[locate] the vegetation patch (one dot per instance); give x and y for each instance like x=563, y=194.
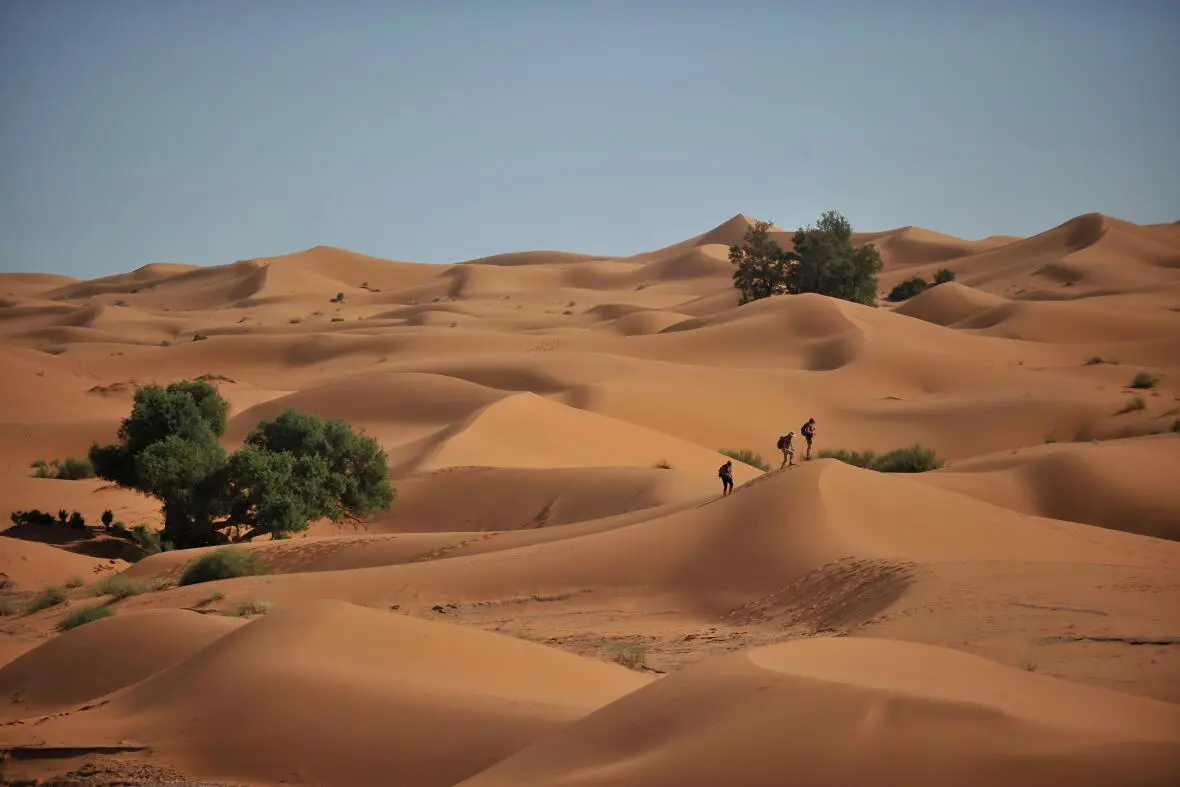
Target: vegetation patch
x=84, y=615
x=222, y=563
x=70, y=469
x=912, y=459
x=747, y=457
x=49, y=597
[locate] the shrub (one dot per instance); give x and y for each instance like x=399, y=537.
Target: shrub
x=8, y=607
x=1133, y=404
x=1144, y=380
x=147, y=540
x=251, y=607
x=107, y=519
x=222, y=563
x=1176, y=426
x=122, y=587
x=907, y=289
x=747, y=457
x=943, y=275
x=49, y=597
x=629, y=654
x=77, y=521
x=664, y=464
x=1096, y=360
x=337, y=319
x=84, y=615
x=74, y=582
x=824, y=261
x=199, y=337
x=31, y=517
x=72, y=469
x=912, y=459
x=863, y=459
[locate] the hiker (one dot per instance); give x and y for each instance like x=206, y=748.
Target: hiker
x=784, y=445
x=725, y=472
x=808, y=432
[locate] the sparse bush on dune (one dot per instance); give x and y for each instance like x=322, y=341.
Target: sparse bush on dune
x=222, y=563
x=747, y=457
x=8, y=608
x=1133, y=404
x=824, y=261
x=250, y=607
x=912, y=459
x=49, y=597
x=71, y=469
x=84, y=615
x=32, y=517
x=290, y=471
x=1145, y=380
x=121, y=587
x=629, y=654
x=908, y=289
x=943, y=275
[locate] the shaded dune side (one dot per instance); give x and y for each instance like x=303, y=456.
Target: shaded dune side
x=948, y=304
x=526, y=430
x=1087, y=253
x=372, y=400
x=116, y=652
x=1075, y=482
x=29, y=565
x=382, y=695
x=506, y=498
x=916, y=714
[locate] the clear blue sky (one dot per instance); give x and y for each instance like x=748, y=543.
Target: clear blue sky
x=206, y=131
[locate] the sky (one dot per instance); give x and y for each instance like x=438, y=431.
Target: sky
x=209, y=131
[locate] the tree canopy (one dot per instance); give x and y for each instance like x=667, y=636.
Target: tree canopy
x=289, y=472
x=824, y=261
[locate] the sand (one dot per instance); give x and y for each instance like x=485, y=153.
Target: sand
x=561, y=596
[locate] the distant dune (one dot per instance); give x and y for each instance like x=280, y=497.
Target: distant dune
x=560, y=594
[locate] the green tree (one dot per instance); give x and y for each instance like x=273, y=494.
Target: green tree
x=290, y=471
x=824, y=261
x=761, y=264
x=943, y=275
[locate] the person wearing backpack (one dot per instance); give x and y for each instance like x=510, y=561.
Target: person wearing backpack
x=784, y=445
x=808, y=432
x=725, y=473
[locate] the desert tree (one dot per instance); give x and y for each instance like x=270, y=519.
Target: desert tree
x=824, y=261
x=289, y=472
x=761, y=264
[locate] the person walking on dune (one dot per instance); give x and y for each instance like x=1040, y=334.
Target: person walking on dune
x=784, y=445
x=725, y=472
x=808, y=432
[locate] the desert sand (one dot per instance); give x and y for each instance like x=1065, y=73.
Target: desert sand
x=560, y=594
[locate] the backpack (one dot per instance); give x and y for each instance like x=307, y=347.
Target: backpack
x=807, y=429
x=782, y=441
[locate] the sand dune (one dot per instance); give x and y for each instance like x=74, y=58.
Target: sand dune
x=949, y=303
x=918, y=714
x=1073, y=481
x=29, y=565
x=385, y=697
x=553, y=423
x=121, y=651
